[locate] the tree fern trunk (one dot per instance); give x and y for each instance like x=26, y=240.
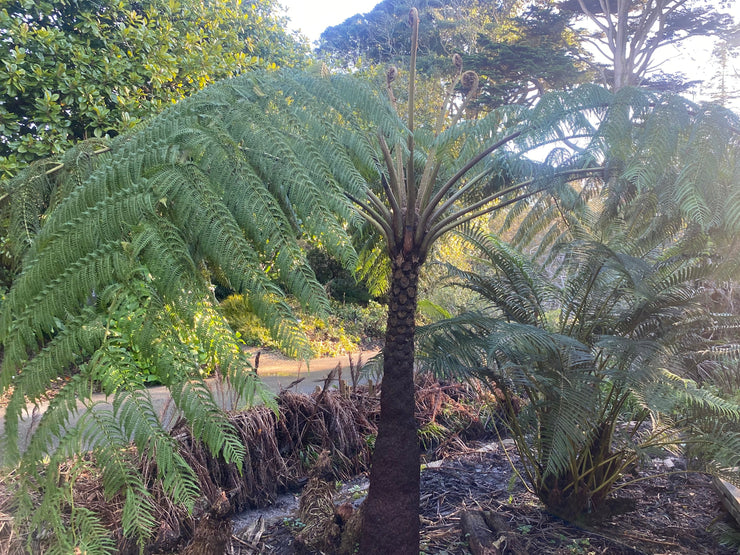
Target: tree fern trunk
x=391, y=511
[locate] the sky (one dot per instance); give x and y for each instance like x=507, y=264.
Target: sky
x=311, y=17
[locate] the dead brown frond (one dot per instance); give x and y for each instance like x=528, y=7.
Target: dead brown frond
x=449, y=414
x=283, y=447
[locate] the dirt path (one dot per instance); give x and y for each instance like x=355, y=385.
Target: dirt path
x=271, y=363
x=276, y=371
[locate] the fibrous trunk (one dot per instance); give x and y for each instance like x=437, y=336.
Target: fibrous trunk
x=391, y=511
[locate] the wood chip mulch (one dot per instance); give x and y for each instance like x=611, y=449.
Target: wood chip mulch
x=662, y=514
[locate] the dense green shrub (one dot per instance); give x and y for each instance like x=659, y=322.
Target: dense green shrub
x=346, y=328
x=77, y=69
x=339, y=282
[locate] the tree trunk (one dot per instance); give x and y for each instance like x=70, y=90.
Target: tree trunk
x=391, y=510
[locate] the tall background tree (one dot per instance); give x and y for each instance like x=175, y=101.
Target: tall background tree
x=628, y=34
x=524, y=55
x=77, y=69
x=724, y=85
x=518, y=51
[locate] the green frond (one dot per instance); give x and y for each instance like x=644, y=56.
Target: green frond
x=455, y=346
x=208, y=421
x=685, y=391
x=54, y=428
x=101, y=431
x=522, y=345
x=76, y=338
x=630, y=361
x=102, y=222
x=556, y=372
x=139, y=420
x=61, y=293
x=538, y=217
x=158, y=243
x=30, y=192
x=550, y=244
x=81, y=531
x=373, y=265
x=724, y=444
x=92, y=537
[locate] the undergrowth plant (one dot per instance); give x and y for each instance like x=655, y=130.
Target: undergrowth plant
x=343, y=330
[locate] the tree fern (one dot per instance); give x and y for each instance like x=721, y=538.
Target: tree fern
x=627, y=325
x=154, y=210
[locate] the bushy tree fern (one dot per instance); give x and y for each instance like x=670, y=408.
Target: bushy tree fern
x=600, y=330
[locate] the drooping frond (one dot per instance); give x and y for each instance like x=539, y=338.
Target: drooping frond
x=516, y=289
x=557, y=371
x=116, y=248
x=29, y=195
x=456, y=346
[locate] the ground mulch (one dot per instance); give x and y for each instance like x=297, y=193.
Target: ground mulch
x=660, y=514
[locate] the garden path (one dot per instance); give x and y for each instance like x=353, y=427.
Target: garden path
x=276, y=371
